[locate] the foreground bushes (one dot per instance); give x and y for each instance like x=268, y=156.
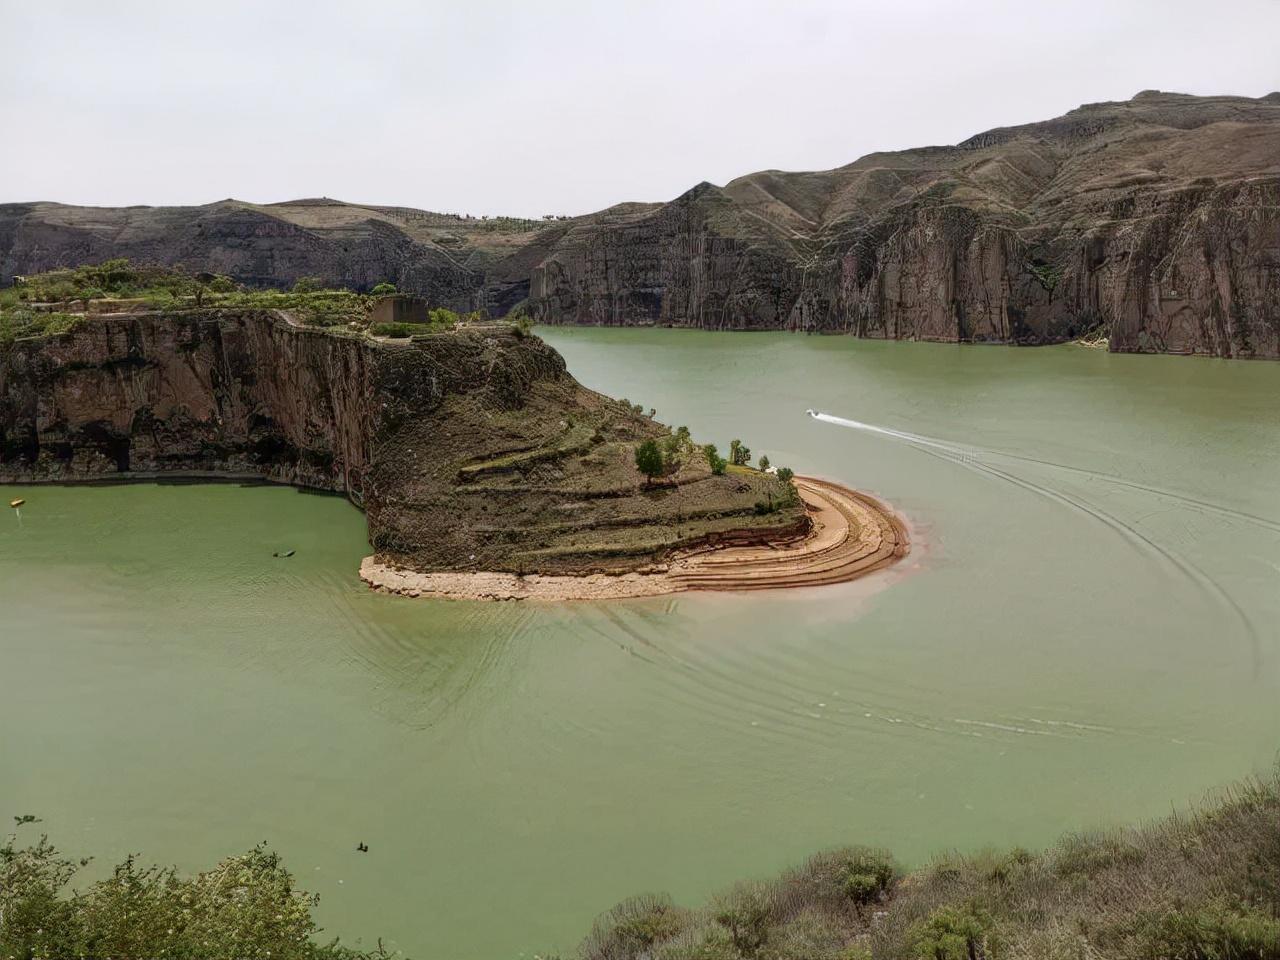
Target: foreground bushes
x=1198, y=887
x=245, y=907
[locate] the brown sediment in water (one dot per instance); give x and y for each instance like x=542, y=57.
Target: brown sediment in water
x=852, y=535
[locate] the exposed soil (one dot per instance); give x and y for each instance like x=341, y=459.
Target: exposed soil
x=852, y=534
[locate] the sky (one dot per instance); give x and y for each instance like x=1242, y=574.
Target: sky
x=558, y=106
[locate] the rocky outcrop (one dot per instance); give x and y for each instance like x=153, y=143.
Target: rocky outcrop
x=470, y=450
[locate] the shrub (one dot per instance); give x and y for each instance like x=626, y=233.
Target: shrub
x=307, y=285
x=764, y=463
x=649, y=460
x=954, y=933
x=1210, y=932
x=246, y=906
x=867, y=875
x=632, y=927
x=739, y=455
x=785, y=474
x=746, y=914
x=716, y=462
x=383, y=289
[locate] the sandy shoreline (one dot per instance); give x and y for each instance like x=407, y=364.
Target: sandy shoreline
x=853, y=534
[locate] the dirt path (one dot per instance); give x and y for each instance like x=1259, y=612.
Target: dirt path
x=853, y=534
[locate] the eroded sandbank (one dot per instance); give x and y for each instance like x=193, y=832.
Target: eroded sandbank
x=852, y=534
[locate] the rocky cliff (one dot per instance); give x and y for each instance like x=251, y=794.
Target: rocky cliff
x=1153, y=221
x=470, y=450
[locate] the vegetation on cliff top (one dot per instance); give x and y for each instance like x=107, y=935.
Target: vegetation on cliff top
x=1203, y=886
x=56, y=301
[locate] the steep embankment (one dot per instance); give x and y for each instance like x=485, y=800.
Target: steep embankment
x=470, y=451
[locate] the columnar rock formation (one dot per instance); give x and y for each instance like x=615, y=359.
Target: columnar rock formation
x=1155, y=221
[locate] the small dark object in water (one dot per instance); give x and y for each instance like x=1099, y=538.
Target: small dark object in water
x=286, y=553
x=362, y=847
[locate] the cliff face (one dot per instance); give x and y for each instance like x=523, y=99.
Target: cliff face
x=269, y=246
x=213, y=393
x=468, y=450
x=1154, y=220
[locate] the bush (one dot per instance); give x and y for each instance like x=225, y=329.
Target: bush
x=714, y=460
x=746, y=914
x=307, y=285
x=867, y=875
x=739, y=455
x=764, y=463
x=633, y=927
x=1210, y=932
x=785, y=474
x=383, y=289
x=245, y=907
x=649, y=460
x=954, y=933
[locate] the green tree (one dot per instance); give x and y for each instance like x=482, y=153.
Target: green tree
x=649, y=460
x=383, y=289
x=739, y=455
x=764, y=463
x=785, y=474
x=716, y=462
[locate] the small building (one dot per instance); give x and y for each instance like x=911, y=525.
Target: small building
x=399, y=308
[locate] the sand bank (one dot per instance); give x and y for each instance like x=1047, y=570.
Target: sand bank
x=852, y=535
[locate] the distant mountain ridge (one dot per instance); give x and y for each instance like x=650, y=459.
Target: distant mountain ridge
x=1155, y=221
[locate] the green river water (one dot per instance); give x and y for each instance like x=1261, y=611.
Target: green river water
x=1073, y=643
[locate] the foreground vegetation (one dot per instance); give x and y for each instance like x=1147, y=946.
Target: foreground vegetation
x=56, y=301
x=245, y=907
x=1203, y=886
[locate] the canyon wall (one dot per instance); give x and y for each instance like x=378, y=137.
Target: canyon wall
x=198, y=393
x=1152, y=221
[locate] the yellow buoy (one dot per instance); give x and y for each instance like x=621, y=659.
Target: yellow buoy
x=16, y=503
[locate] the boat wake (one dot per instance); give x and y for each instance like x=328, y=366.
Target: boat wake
x=978, y=460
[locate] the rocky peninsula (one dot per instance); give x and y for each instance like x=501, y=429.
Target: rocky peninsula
x=484, y=468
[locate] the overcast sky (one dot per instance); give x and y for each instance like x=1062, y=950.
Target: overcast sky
x=558, y=106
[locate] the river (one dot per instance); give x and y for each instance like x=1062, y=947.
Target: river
x=1084, y=634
